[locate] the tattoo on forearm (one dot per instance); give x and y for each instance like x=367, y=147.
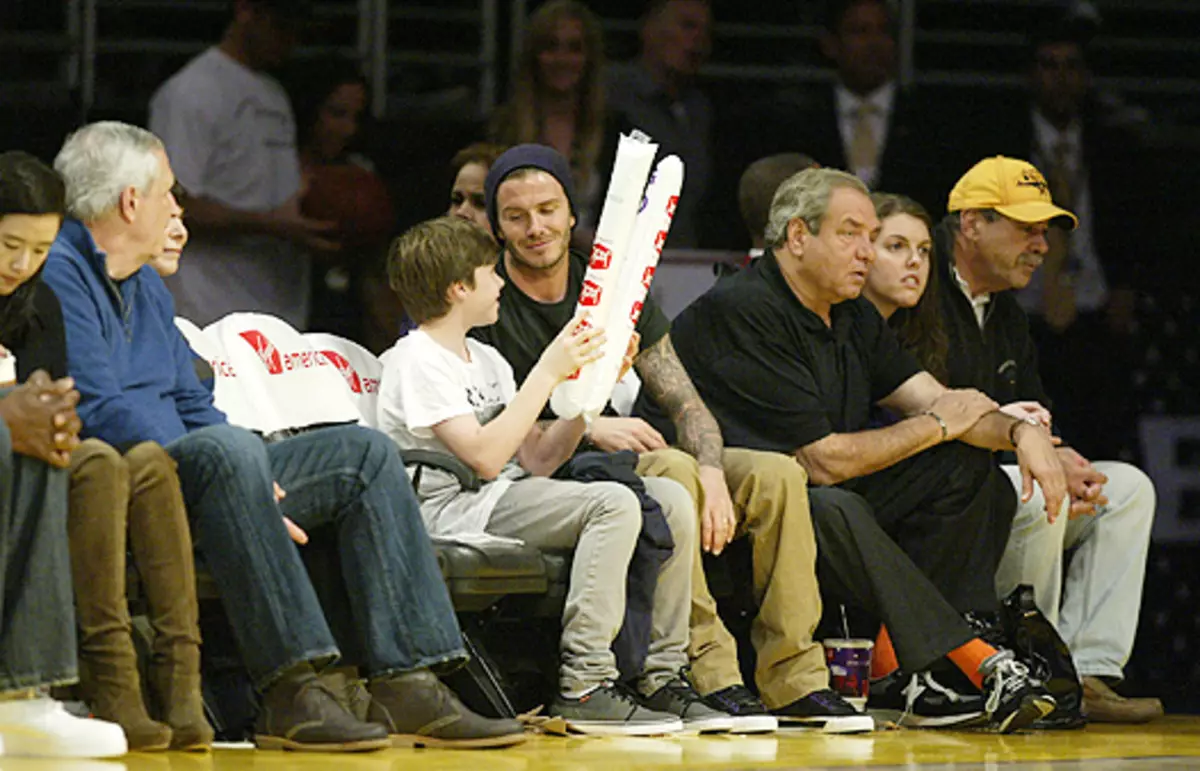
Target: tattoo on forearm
x=665, y=379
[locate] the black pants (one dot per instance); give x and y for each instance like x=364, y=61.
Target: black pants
x=916, y=545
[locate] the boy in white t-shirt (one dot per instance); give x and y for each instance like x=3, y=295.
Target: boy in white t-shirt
x=442, y=390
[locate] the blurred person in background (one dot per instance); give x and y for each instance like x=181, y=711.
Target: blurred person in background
x=228, y=127
x=1083, y=298
x=470, y=166
x=865, y=121
x=329, y=96
x=657, y=93
x=757, y=187
x=558, y=100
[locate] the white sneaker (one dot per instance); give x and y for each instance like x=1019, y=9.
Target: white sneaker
x=41, y=728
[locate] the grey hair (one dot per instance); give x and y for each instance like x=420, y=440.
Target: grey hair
x=100, y=161
x=806, y=196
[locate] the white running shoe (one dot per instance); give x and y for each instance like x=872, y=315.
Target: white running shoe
x=41, y=728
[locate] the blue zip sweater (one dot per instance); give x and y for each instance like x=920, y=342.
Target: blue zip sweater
x=131, y=365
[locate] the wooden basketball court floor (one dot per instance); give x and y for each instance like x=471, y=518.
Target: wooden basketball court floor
x=1170, y=743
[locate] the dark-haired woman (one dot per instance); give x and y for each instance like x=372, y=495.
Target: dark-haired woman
x=118, y=503
x=38, y=430
x=349, y=294
x=898, y=282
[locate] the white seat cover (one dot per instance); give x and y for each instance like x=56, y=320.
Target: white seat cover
x=360, y=370
x=283, y=382
x=227, y=396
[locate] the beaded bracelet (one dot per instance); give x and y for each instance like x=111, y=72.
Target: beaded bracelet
x=942, y=423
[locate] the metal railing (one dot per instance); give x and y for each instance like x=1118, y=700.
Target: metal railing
x=81, y=43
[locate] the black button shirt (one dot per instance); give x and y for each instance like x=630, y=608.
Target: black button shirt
x=770, y=370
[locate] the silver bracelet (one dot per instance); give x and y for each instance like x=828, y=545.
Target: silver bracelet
x=942, y=423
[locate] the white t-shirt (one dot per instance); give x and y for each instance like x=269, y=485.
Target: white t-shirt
x=424, y=384
x=231, y=137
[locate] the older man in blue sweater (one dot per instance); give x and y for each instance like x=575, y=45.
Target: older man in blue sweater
x=134, y=371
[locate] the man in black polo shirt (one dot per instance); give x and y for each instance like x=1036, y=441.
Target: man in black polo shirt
x=528, y=191
x=790, y=359
x=997, y=235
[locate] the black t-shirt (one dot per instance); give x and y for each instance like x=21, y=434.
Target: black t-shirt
x=775, y=377
x=526, y=326
x=43, y=343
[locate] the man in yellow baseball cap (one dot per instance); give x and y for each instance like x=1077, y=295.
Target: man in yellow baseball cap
x=995, y=237
x=1012, y=187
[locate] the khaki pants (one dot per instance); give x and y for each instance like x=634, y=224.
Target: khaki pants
x=1095, y=604
x=770, y=500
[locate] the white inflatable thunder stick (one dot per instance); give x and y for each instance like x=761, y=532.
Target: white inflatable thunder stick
x=632, y=283
x=635, y=154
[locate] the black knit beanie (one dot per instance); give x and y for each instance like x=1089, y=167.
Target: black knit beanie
x=541, y=157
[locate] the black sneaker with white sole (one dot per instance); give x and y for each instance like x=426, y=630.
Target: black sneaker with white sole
x=827, y=710
x=920, y=701
x=611, y=709
x=678, y=697
x=1013, y=698
x=750, y=716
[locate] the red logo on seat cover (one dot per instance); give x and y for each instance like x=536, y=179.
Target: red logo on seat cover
x=672, y=202
x=343, y=365
x=265, y=349
x=647, y=276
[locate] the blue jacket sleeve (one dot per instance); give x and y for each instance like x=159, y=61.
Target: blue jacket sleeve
x=106, y=411
x=193, y=401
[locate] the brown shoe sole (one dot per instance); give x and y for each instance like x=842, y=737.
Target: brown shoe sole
x=280, y=743
x=1128, y=711
x=487, y=742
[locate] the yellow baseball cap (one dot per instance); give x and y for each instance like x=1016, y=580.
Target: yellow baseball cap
x=1013, y=187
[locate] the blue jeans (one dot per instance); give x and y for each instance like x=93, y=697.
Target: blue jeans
x=349, y=477
x=37, y=626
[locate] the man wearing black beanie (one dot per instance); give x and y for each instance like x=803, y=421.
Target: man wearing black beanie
x=737, y=491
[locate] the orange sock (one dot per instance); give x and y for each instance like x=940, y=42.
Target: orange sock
x=883, y=658
x=968, y=658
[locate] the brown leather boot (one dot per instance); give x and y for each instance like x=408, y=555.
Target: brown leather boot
x=96, y=528
x=161, y=541
x=301, y=713
x=1102, y=704
x=421, y=711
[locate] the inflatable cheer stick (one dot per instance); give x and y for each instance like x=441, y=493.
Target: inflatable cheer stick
x=635, y=154
x=588, y=392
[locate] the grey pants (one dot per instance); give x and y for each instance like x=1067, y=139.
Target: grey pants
x=37, y=629
x=1095, y=608
x=601, y=522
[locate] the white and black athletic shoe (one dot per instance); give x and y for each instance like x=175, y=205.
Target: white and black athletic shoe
x=920, y=701
x=1013, y=698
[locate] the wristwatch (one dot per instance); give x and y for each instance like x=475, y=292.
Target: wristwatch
x=1012, y=430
